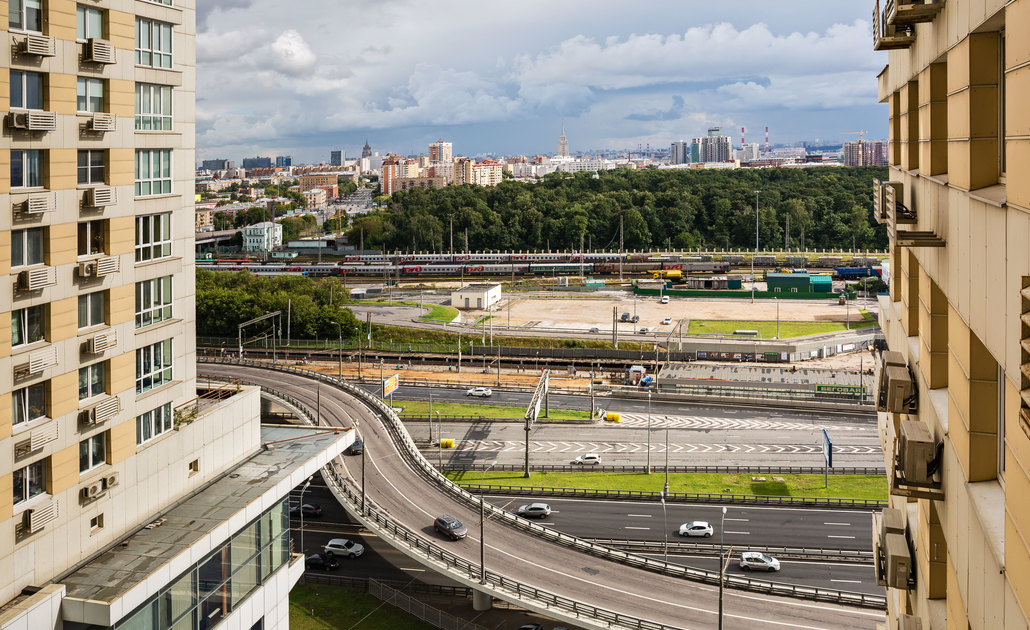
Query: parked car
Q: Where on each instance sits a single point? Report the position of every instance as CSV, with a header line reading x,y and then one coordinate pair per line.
x,y
310,510
321,562
624,318
696,528
480,392
755,561
635,319
667,321
665,299
534,510
595,330
343,547
589,458
357,447
643,331
450,527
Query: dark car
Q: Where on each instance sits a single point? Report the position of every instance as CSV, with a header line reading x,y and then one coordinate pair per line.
x,y
322,563
357,447
531,626
624,318
450,527
311,510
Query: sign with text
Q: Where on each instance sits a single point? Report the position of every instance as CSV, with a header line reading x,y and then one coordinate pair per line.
x,y
827,449
391,384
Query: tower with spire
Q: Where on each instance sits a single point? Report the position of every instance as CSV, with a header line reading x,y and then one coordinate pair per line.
x,y
366,151
563,143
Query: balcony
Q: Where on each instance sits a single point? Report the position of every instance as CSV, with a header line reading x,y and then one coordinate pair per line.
x,y
904,12
898,214
890,36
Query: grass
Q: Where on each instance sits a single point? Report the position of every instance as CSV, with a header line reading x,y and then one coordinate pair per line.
x,y
437,312
487,411
840,486
403,335
322,607
787,330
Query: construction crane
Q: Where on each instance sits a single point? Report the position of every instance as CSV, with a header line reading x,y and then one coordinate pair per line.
x,y
861,140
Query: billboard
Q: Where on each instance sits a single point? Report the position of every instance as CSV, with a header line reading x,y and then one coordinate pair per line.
x,y
391,384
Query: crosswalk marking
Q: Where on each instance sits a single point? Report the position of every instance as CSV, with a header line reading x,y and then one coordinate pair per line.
x,y
659,447
707,422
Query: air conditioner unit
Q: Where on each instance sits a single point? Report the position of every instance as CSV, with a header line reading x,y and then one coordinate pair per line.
x,y
108,265
104,410
42,359
898,561
38,518
92,491
35,279
900,390
100,51
102,122
88,269
40,46
892,521
100,196
41,436
916,451
33,120
102,341
909,622
111,481
38,203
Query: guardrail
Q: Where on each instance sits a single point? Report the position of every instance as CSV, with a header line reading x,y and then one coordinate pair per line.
x,y
366,511
751,470
796,553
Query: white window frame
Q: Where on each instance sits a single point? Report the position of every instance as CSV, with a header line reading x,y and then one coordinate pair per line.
x,y
150,106
20,319
84,90
22,7
21,403
95,454
153,301
23,235
153,43
32,474
90,167
153,172
23,79
153,366
88,302
89,371
27,174
153,424
82,23
153,236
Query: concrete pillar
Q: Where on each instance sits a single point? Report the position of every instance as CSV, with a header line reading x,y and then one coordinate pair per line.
x,y
482,601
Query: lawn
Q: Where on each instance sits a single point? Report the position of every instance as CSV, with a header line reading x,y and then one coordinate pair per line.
x,y
787,330
418,408
322,607
404,335
840,486
437,312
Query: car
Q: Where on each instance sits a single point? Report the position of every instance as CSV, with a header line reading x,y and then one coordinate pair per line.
x,y
450,527
310,510
588,459
480,392
643,331
321,562
343,547
667,321
531,626
595,330
665,299
756,561
534,510
624,318
635,319
696,528
357,447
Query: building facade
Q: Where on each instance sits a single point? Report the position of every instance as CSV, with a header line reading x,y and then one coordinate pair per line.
x,y
440,151
711,148
679,152
563,143
865,153
336,158
955,401
263,237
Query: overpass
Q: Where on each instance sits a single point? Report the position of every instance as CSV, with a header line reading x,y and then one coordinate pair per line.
x,y
394,492
204,239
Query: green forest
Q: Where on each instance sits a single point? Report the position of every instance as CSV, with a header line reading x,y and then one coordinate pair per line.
x,y
827,208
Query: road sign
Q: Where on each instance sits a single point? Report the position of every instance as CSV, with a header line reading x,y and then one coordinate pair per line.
x,y
391,384
827,449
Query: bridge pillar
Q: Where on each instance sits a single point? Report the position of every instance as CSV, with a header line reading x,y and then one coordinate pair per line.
x,y
482,601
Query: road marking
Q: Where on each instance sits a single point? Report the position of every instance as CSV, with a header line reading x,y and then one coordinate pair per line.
x,y
740,533
847,581
411,569
736,519
640,515
832,536
837,524
637,528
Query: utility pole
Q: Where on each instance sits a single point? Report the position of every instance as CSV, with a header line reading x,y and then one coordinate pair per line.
x,y
581,276
620,248
451,231
756,249
615,328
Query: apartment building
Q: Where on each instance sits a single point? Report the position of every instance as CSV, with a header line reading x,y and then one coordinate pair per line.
x,y
954,549
865,153
440,151
116,502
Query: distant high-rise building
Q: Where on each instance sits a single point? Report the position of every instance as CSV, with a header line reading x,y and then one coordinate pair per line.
x,y
679,153
217,165
257,162
712,148
748,152
714,132
366,151
283,161
865,153
336,158
563,143
440,151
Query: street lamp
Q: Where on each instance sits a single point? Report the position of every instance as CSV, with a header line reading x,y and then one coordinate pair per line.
x,y
439,442
482,524
665,516
649,433
303,488
722,562
339,329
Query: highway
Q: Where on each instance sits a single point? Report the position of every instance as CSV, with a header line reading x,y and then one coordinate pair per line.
x,y
408,499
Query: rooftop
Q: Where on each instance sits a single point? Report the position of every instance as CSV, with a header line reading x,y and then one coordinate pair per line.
x,y
479,286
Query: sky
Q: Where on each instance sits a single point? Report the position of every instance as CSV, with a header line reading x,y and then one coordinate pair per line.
x,y
275,78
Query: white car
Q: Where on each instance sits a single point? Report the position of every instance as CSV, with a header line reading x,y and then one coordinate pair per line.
x,y
343,547
480,392
755,561
588,459
667,321
665,299
534,510
696,528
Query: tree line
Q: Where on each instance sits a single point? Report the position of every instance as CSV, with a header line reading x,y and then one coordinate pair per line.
x,y
824,207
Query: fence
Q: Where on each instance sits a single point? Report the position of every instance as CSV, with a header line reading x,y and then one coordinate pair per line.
x,y
423,611
750,470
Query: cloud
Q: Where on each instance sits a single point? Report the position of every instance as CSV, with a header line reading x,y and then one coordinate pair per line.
x,y
206,7
673,113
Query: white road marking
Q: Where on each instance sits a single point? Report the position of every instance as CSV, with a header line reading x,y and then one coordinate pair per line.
x,y
411,569
637,528
837,524
832,536
640,515
740,533
736,519
847,581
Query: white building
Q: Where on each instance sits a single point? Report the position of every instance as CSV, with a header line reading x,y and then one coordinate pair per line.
x,y
479,295
748,152
679,152
262,237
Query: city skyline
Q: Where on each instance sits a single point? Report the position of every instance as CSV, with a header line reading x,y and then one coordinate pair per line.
x,y
616,78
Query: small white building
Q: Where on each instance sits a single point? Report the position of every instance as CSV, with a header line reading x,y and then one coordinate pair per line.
x,y
480,295
262,237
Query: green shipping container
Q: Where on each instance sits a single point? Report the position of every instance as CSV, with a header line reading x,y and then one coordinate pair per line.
x,y
822,284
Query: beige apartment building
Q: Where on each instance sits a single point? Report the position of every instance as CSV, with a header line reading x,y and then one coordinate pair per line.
x,y
954,551
101,431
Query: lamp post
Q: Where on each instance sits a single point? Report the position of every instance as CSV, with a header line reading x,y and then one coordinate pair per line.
x,y
339,329
482,524
722,563
649,433
666,455
756,249
665,516
439,441
302,490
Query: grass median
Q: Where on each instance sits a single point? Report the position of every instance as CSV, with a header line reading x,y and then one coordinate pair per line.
x,y
322,607
416,408
871,487
786,329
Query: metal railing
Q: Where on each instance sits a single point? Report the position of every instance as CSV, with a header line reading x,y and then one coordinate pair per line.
x,y
749,470
795,553
365,510
416,608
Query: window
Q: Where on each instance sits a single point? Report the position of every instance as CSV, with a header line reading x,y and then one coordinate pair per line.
x,y
97,522
194,467
153,236
29,481
167,3
26,247
153,366
92,380
153,301
92,309
153,172
93,452
29,403
26,168
89,23
153,423
91,237
25,15
92,166
28,325
26,90
153,107
89,94
153,43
